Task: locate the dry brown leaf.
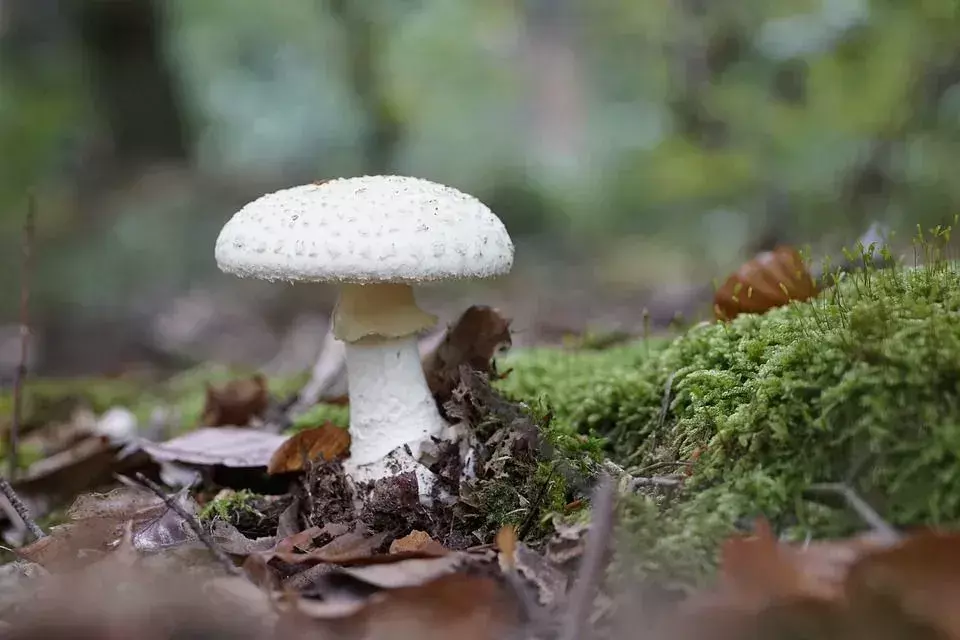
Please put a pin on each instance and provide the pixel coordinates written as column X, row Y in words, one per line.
column 327, row 441
column 353, row 545
column 236, row 402
column 407, row 572
column 474, row 339
column 453, row 606
column 88, row 464
column 918, row 578
column 418, row 541
column 758, row 570
column 97, row 521
column 771, row 279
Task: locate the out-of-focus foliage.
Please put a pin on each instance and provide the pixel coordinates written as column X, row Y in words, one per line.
column 700, row 124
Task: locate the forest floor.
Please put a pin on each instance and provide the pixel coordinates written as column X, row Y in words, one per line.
column 623, row 484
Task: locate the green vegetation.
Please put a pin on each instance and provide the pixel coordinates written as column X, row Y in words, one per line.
column 319, row 414
column 234, row 508
column 860, row 386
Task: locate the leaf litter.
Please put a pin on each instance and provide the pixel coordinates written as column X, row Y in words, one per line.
column 312, row 563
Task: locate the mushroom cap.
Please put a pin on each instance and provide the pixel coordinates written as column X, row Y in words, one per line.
column 366, row 229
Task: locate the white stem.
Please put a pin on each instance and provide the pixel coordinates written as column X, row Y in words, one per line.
column 390, row 404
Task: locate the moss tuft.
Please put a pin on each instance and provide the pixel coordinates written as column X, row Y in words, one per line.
column 319, row 414
column 861, row 385
column 234, row 507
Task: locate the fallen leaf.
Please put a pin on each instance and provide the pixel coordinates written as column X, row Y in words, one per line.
column 404, row 573
column 95, row 522
column 771, row 279
column 226, row 446
column 239, row 590
column 236, row 403
column 917, row 579
column 327, row 441
column 758, row 570
column 417, row 541
column 88, row 464
column 473, row 340
column 305, row 540
column 349, row 546
column 549, row 582
column 227, row 537
column 458, row 606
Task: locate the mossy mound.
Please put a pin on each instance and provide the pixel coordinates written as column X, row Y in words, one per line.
column 860, row 386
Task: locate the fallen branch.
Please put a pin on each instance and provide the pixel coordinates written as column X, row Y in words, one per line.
column 217, row 552
column 592, row 563
column 13, row 434
column 18, row 505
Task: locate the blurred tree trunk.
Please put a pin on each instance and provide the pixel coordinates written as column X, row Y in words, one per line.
column 381, row 132
column 131, row 82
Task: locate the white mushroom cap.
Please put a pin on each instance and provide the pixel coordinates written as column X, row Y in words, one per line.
column 365, row 230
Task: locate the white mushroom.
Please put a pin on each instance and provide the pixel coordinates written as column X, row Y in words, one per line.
column 375, row 236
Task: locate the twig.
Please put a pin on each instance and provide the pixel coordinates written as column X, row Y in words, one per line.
column 591, row 565
column 7, row 489
column 860, row 507
column 13, row 434
column 655, row 481
column 217, row 552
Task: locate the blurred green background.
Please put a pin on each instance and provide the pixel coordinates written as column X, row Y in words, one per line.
column 638, row 148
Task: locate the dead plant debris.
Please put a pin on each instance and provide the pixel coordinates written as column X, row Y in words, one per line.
column 326, row 442
column 235, row 403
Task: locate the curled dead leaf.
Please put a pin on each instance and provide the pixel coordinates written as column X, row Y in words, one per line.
column 771, row 279
column 327, row 441
column 473, row 340
column 236, row 403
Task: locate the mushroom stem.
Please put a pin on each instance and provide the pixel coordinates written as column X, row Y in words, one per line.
column 390, row 402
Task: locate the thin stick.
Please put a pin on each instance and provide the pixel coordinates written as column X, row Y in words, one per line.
column 217, row 552
column 7, row 489
column 860, row 507
column 655, row 481
column 13, row 434
column 591, row 565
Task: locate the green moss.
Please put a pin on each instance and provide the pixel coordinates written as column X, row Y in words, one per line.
column 47, row 400
column 28, row 453
column 185, row 393
column 527, row 499
column 861, row 386
column 599, row 393
column 320, row 414
column 233, row 508
column 53, row 400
